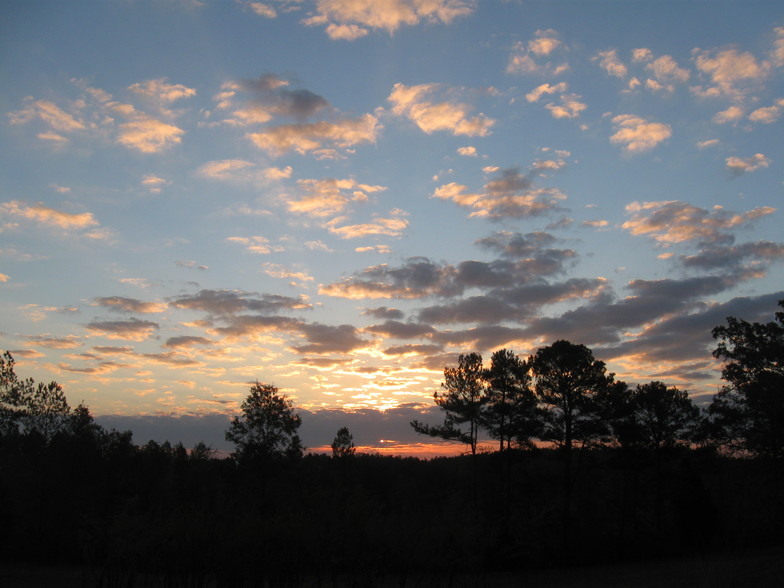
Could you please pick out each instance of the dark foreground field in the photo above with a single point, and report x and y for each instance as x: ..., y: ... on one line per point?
x: 761, y: 568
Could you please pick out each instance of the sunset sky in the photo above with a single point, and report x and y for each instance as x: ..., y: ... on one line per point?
x: 338, y: 197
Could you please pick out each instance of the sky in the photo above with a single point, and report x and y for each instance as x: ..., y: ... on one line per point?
x: 338, y: 197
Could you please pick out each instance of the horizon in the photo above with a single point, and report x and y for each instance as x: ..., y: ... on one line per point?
x: 340, y: 198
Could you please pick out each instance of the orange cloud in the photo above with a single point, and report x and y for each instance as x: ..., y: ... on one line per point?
x: 351, y: 19
x: 308, y: 137
x: 49, y: 216
x: 671, y: 222
x: 637, y: 135
x: 392, y: 227
x: 412, y: 102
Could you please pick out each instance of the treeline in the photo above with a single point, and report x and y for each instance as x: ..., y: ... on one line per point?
x: 626, y: 474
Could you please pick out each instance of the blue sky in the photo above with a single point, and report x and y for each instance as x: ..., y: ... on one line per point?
x: 339, y: 197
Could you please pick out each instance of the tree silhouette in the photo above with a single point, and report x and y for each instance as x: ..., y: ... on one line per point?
x: 654, y: 417
x: 28, y: 408
x: 510, y: 412
x: 343, y: 444
x: 463, y: 401
x: 748, y: 412
x: 267, y: 429
x: 569, y: 383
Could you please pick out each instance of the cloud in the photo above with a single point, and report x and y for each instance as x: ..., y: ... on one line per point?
x: 162, y: 92
x: 399, y: 330
x: 731, y: 73
x: 532, y: 57
x: 642, y: 54
x: 509, y: 194
x: 329, y: 196
x: 708, y: 143
x: 413, y: 103
x: 609, y: 62
x: 256, y: 244
x: 68, y: 342
x: 392, y: 226
x: 767, y: 114
x: 416, y: 278
x: 50, y: 217
x: 149, y: 135
x: 228, y: 302
x: 309, y: 137
x: 570, y: 107
x: 747, y: 255
x: 280, y: 272
x: 227, y: 169
x: 352, y: 19
x: 190, y: 264
x: 384, y: 312
x: 738, y: 166
x: 469, y: 151
x: 777, y: 54
x: 49, y: 113
x: 535, y: 94
x: 131, y: 330
x: 666, y: 74
x: 323, y: 339
x: 186, y: 341
x: 637, y: 135
x: 95, y: 113
x: 266, y: 97
x: 122, y: 304
x: 672, y: 222
x: 262, y: 9
x: 731, y: 115
x: 154, y: 184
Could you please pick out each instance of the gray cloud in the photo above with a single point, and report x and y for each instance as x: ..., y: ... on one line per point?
x: 273, y: 94
x: 225, y: 302
x: 329, y: 339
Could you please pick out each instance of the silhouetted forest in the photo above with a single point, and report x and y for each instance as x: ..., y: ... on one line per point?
x: 587, y: 471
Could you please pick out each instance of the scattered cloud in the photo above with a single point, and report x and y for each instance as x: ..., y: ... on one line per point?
x: 313, y: 137
x: 413, y: 102
x: 610, y: 62
x: 535, y: 94
x: 637, y: 135
x: 349, y: 20
x: 534, y: 57
x: 50, y: 217
x: 730, y: 73
x: 739, y: 166
x: 329, y: 196
x: 131, y: 305
x: 570, y: 107
x: 256, y: 244
x: 131, y: 330
x: 730, y: 115
x: 190, y: 264
x: 509, y: 194
x: 230, y: 302
x: 671, y: 222
x: 392, y: 226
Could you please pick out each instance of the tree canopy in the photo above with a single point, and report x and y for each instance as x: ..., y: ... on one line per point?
x: 748, y: 412
x: 267, y: 428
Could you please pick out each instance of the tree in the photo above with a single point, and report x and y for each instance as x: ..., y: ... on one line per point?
x: 267, y: 429
x: 571, y: 386
x: 653, y: 417
x: 569, y: 383
x: 462, y: 402
x: 343, y: 444
x: 28, y: 408
x: 510, y: 412
x: 748, y: 412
